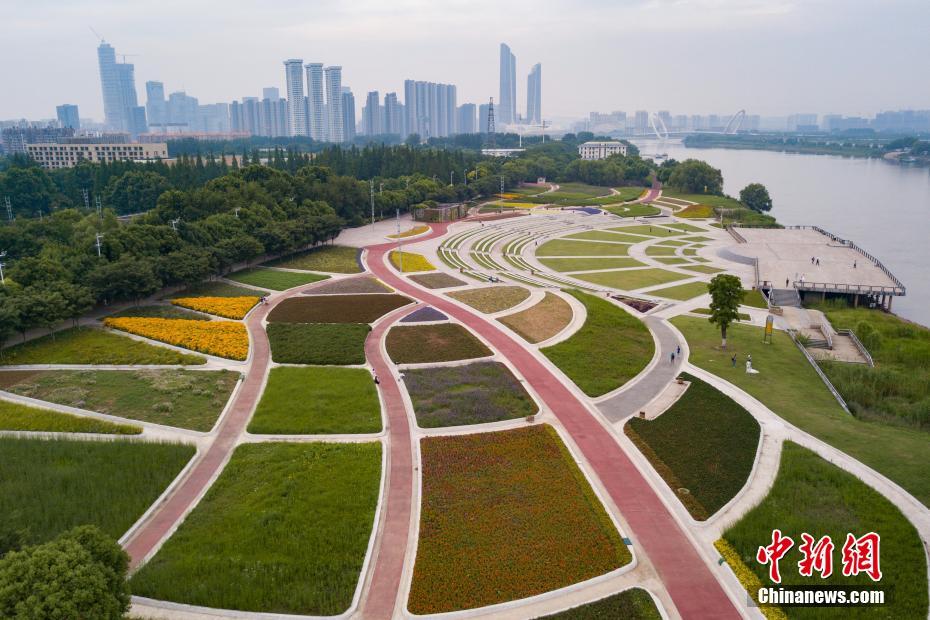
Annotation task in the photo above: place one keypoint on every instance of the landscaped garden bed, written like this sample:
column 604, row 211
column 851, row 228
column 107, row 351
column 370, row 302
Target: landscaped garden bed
column 214, row 288
column 320, row 343
column 631, row 279
column 470, row 394
column 164, row 311
column 640, row 305
column 541, row 321
column 336, row 308
column 611, row 348
column 490, row 299
column 408, row 262
column 349, row 286
column 186, row 399
column 587, row 264
column 274, row 279
column 632, row 604
column 310, row 401
column 703, row 446
column 50, row 486
column 86, row 345
column 410, row 232
column 437, row 280
column 325, row 258
column 226, row 307
column 696, row 212
column 505, row 516
column 284, row 529
column 443, row 342
column 569, row 247
column 227, row 339
column 16, row 417
column 424, row 315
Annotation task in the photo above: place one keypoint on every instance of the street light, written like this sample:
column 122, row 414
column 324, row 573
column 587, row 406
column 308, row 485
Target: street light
column 99, row 236
column 2, row 280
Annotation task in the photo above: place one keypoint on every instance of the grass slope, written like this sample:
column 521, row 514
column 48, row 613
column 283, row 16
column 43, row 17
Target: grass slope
column 325, row 258
column 273, row 279
column 321, row 343
column 632, row 279
column 587, row 264
column 16, row 417
column 575, row 247
column 541, row 321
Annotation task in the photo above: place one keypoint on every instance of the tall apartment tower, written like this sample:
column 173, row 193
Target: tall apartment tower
column 371, row 116
column 348, row 113
column 296, row 101
column 333, row 77
column 534, row 95
column 465, row 121
column 118, row 85
column 410, row 107
column 393, row 119
column 156, row 108
column 506, row 109
column 315, row 117
column 68, row 116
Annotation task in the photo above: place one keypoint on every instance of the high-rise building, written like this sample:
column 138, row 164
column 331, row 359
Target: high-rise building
column 393, row 115
column 118, row 85
column 348, row 114
column 182, row 111
column 429, row 109
column 333, row 77
column 410, row 107
column 506, row 109
column 640, row 122
column 534, row 95
column 371, row 115
column 466, row 122
column 315, row 97
column 483, row 112
column 448, row 114
column 155, row 104
column 68, row 116
column 296, row 101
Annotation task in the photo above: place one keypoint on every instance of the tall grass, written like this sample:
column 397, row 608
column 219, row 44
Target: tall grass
column 16, row 417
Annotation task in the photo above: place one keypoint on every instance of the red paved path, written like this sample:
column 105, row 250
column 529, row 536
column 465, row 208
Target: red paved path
column 691, row 585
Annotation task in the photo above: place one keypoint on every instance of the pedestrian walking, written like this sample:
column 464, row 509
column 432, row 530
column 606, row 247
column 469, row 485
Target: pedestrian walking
column 812, row 260
column 377, row 380
column 733, row 360
column 672, row 358
column 786, row 282
column 854, row 264
column 818, row 262
column 678, row 351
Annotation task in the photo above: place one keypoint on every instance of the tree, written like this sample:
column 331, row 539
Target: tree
column 696, row 177
column 9, row 320
column 726, row 293
column 81, row 574
column 78, row 300
column 756, row 197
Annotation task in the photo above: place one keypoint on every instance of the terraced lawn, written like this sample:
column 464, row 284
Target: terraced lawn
column 325, row 258
column 541, row 321
column 604, row 235
column 660, row 250
column 814, row 496
column 703, row 446
column 87, row 345
column 634, row 210
column 50, row 486
column 631, row 279
column 682, row 226
column 650, row 230
column 666, row 260
column 490, row 299
column 336, row 308
column 186, row 399
column 611, row 347
column 703, row 269
column 682, row 292
column 632, row 604
column 514, row 500
column 585, row 264
column 471, row 394
column 284, row 529
column 320, row 343
column 444, row 342
column 274, row 279
column 319, row 400
column 437, row 280
column 569, row 247
column 16, row 417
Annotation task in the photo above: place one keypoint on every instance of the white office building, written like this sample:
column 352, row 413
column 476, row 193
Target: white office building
column 600, row 150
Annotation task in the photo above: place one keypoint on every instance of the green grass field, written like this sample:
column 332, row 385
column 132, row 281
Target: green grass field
column 325, row 258
column 814, row 496
column 754, row 299
column 703, row 269
column 631, row 279
column 420, row 344
column 86, row 345
column 161, row 312
column 186, row 399
column 16, row 417
column 364, row 308
column 671, row 260
column 703, row 446
column 688, row 228
column 585, row 264
column 318, row 343
column 632, row 604
column 214, row 289
column 660, row 250
column 284, row 529
column 741, row 316
column 899, row 453
column 273, row 279
column 50, row 486
column 649, row 230
column 604, row 235
column 682, row 292
column 611, row 348
column 309, row 401
column 567, row 247
column 634, row 210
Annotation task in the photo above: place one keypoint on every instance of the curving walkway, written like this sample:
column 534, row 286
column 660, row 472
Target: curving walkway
column 691, row 584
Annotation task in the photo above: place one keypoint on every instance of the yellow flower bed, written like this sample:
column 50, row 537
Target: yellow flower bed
column 221, row 338
column 416, row 230
column 227, row 307
column 510, row 196
column 696, row 212
column 411, row 262
column 519, row 205
column 748, row 579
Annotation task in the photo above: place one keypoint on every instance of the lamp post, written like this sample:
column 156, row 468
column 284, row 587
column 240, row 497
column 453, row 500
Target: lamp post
column 2, row 280
column 99, row 236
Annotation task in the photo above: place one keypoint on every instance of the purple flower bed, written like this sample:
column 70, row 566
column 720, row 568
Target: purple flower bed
column 426, row 313
column 586, row 210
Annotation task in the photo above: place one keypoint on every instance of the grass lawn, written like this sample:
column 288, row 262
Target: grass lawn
column 682, row 292
column 318, row 400
column 585, row 264
column 688, row 228
column 284, row 529
column 649, row 230
column 754, row 299
column 86, row 345
column 273, row 279
column 666, row 260
column 505, row 516
column 325, row 258
column 611, row 347
column 49, row 486
column 634, row 210
column 410, row 232
column 705, row 199
column 420, row 344
column 660, row 250
column 632, row 604
column 437, row 280
column 672, row 243
column 208, row 289
column 321, row 343
column 604, row 235
column 899, row 453
column 491, row 299
column 409, row 262
column 541, row 321
column 741, row 316
column 471, row 394
column 698, row 212
column 161, row 312
column 703, row 269
column 568, row 247
column 703, row 446
column 336, row 308
column 814, row 496
column 183, row 398
column 16, row 417
column 630, row 193
column 348, row 286
column 631, row 279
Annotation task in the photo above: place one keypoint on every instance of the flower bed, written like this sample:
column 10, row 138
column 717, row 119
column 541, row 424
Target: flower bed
column 336, row 308
column 411, row 262
column 221, row 338
column 696, row 212
column 412, row 232
column 227, row 307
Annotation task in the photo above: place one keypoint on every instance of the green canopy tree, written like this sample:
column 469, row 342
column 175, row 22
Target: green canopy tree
column 726, row 293
column 696, row 177
column 756, row 197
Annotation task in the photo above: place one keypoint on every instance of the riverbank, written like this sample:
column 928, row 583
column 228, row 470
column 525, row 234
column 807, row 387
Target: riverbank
column 785, row 143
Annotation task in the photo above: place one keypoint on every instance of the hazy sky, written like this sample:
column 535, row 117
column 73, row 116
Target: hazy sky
column 689, row 56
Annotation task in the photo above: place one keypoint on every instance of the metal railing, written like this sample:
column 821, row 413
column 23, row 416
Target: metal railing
column 865, row 352
column 820, row 372
column 839, row 287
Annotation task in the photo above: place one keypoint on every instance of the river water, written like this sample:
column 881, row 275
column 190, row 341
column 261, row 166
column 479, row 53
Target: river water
column 883, row 207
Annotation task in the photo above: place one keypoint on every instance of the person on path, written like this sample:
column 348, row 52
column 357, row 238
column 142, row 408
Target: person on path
column 672, row 358
column 733, row 360
column 377, row 380
column 678, row 351
column 812, row 260
column 854, row 264
column 786, row 282
column 818, row 262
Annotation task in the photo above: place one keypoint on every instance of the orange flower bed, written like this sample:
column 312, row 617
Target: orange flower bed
column 226, row 307
column 221, row 338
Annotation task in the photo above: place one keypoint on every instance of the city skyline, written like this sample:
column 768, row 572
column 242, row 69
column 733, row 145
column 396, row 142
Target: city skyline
column 774, row 41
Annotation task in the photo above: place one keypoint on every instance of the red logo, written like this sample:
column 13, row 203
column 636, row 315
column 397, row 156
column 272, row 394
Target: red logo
column 773, row 553
column 817, row 556
column 859, row 555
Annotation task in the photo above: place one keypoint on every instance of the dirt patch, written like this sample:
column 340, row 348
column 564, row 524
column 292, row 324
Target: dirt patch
column 336, row 308
column 492, row 298
column 9, row 378
column 542, row 321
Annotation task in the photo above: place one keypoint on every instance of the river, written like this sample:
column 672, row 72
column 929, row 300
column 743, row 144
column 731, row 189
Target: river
column 883, row 207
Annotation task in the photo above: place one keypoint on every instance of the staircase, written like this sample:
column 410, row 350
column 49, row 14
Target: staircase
column 786, row 297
